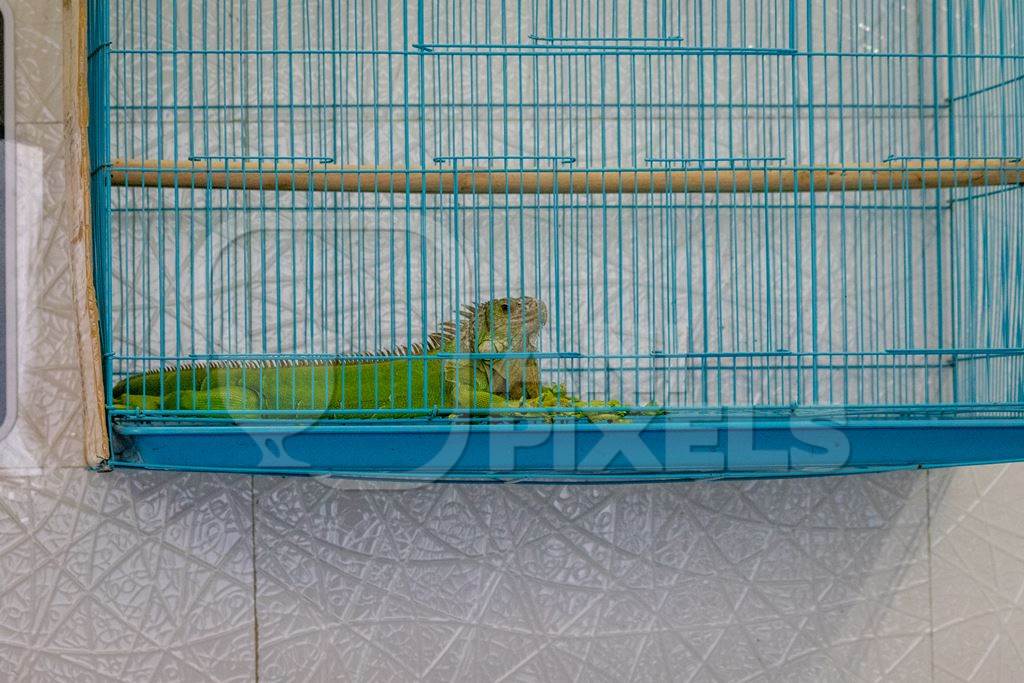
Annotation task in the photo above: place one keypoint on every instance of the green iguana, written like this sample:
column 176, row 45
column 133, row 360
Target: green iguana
column 376, row 382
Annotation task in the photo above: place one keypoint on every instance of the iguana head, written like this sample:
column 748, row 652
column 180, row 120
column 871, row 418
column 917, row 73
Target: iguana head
column 515, row 322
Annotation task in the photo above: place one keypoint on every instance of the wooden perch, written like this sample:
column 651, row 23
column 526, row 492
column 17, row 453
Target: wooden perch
column 299, row 177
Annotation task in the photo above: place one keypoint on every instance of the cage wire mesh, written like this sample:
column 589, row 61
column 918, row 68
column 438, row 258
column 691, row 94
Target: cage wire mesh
column 898, row 299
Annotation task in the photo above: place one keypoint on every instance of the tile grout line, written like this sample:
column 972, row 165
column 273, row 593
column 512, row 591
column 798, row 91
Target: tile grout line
column 255, row 611
column 931, row 580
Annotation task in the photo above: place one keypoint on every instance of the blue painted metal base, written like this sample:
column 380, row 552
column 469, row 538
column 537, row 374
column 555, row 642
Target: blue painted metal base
column 659, row 450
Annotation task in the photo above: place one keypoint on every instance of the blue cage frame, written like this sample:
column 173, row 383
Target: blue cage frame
column 817, row 268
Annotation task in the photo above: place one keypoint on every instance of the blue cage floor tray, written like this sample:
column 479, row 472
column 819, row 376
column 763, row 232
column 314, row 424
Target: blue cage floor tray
column 661, row 449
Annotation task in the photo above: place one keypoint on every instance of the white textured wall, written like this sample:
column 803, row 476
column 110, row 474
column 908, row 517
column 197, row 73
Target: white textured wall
column 158, row 576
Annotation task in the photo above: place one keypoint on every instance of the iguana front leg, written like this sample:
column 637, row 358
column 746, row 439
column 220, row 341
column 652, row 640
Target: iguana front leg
column 473, row 391
column 522, row 378
column 471, row 383
column 516, row 379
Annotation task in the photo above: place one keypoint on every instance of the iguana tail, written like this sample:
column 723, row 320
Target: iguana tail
column 161, row 381
column 244, row 384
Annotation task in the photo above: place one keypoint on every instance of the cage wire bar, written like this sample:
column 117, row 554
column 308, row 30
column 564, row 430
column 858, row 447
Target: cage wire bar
column 794, row 226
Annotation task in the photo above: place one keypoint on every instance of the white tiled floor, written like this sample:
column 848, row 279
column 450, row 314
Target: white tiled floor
column 147, row 576
column 977, row 521
column 126, row 577
column 719, row 582
column 153, row 576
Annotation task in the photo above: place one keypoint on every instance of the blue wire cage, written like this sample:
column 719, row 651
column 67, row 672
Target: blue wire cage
column 794, row 227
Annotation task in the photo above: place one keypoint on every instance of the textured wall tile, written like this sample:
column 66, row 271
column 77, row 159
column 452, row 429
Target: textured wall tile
column 36, row 11
column 135, row 576
column 978, row 573
column 48, row 430
column 38, row 61
column 800, row 579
